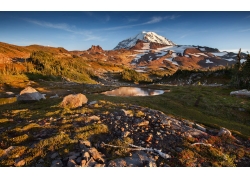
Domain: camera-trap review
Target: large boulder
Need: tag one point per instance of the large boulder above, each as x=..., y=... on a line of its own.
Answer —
x=243, y=92
x=74, y=100
x=29, y=94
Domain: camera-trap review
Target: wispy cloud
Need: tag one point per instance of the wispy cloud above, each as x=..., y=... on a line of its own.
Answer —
x=183, y=36
x=244, y=30
x=248, y=16
x=152, y=20
x=65, y=27
x=172, y=17
x=132, y=19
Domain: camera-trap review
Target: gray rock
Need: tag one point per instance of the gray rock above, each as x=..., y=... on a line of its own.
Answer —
x=79, y=160
x=92, y=103
x=199, y=127
x=138, y=159
x=57, y=163
x=71, y=163
x=55, y=96
x=73, y=157
x=166, y=122
x=224, y=132
x=54, y=155
x=29, y=94
x=39, y=165
x=178, y=149
x=243, y=92
x=74, y=154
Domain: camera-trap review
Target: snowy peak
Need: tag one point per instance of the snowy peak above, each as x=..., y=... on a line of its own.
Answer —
x=149, y=37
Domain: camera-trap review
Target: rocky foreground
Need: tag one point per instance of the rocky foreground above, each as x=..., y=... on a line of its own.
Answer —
x=125, y=136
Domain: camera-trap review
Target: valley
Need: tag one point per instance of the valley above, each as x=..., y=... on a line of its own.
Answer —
x=192, y=122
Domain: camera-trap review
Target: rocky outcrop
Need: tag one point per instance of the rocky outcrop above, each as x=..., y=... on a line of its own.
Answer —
x=154, y=45
x=95, y=49
x=29, y=94
x=74, y=100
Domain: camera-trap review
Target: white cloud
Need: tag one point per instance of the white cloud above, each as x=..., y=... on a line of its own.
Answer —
x=183, y=36
x=65, y=27
x=154, y=20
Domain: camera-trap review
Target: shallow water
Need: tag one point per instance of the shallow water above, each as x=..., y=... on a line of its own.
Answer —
x=133, y=91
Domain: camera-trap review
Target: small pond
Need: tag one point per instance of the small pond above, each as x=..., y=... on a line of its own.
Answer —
x=133, y=91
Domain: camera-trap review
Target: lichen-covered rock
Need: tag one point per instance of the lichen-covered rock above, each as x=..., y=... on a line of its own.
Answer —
x=74, y=100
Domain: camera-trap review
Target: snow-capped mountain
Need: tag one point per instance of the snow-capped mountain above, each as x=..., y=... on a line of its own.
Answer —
x=149, y=37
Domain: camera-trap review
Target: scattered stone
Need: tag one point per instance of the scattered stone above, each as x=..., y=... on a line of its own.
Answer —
x=197, y=126
x=93, y=118
x=166, y=122
x=71, y=163
x=86, y=156
x=55, y=96
x=29, y=94
x=99, y=165
x=76, y=154
x=57, y=163
x=79, y=160
x=84, y=144
x=96, y=155
x=73, y=157
x=125, y=134
x=178, y=149
x=19, y=163
x=83, y=163
x=117, y=163
x=143, y=123
x=91, y=163
x=224, y=132
x=39, y=165
x=74, y=100
x=92, y=103
x=54, y=155
x=10, y=93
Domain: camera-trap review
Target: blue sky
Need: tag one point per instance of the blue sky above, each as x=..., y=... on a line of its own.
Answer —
x=78, y=30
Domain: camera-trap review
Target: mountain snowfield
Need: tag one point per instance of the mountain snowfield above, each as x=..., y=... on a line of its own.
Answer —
x=153, y=49
x=146, y=37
